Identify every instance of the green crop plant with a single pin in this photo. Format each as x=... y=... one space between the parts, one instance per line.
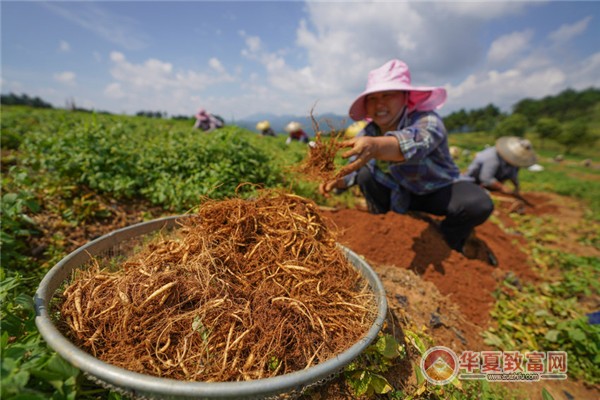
x=17 y=205
x=29 y=369
x=365 y=374
x=544 y=318
x=167 y=164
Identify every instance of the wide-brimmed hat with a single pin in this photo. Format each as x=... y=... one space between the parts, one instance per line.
x=262 y=125
x=516 y=151
x=395 y=75
x=293 y=127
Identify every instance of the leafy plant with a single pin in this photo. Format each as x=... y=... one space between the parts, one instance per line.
x=541 y=318
x=17 y=226
x=28 y=366
x=365 y=374
x=168 y=165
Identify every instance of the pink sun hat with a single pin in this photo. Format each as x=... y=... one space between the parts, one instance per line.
x=394 y=75
x=201 y=114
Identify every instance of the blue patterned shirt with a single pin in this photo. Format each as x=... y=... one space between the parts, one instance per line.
x=427 y=165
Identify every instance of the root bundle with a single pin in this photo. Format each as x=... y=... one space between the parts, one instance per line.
x=319 y=165
x=244 y=289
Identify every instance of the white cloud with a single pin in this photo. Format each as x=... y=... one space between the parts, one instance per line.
x=67 y=78
x=505 y=88
x=215 y=64
x=586 y=74
x=279 y=73
x=336 y=44
x=117 y=56
x=339 y=53
x=529 y=71
x=11 y=86
x=157 y=85
x=64 y=46
x=254 y=43
x=114 y=91
x=509 y=46
x=533 y=60
x=567 y=32
x=520 y=69
x=484 y=10
x=328 y=46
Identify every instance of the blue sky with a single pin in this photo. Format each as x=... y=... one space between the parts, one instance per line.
x=239 y=58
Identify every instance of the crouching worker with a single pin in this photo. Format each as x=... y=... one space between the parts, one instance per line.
x=401 y=160
x=264 y=127
x=495 y=165
x=295 y=131
x=207 y=121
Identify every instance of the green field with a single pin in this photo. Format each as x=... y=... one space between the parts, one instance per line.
x=71 y=170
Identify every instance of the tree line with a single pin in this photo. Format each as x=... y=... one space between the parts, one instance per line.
x=567 y=105
x=563 y=118
x=23 y=100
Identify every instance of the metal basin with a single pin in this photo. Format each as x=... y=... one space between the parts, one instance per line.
x=142 y=386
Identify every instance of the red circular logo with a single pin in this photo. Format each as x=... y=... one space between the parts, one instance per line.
x=439 y=365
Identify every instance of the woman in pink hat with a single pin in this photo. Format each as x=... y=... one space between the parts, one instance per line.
x=401 y=160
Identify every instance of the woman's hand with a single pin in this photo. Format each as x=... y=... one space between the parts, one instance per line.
x=365 y=148
x=326 y=187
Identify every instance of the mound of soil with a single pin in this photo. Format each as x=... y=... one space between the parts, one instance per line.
x=449 y=292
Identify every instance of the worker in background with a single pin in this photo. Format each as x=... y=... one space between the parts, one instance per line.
x=497 y=164
x=295 y=131
x=355 y=128
x=207 y=121
x=264 y=127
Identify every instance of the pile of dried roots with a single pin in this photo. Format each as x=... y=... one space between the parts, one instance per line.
x=245 y=289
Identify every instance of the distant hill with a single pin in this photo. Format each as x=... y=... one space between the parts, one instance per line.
x=326 y=122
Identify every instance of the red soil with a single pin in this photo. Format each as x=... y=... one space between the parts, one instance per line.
x=412 y=242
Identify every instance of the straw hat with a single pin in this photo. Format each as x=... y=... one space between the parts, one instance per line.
x=262 y=125
x=353 y=129
x=395 y=75
x=516 y=151
x=455 y=152
x=293 y=127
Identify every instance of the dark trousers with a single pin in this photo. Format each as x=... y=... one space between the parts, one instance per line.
x=464 y=204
